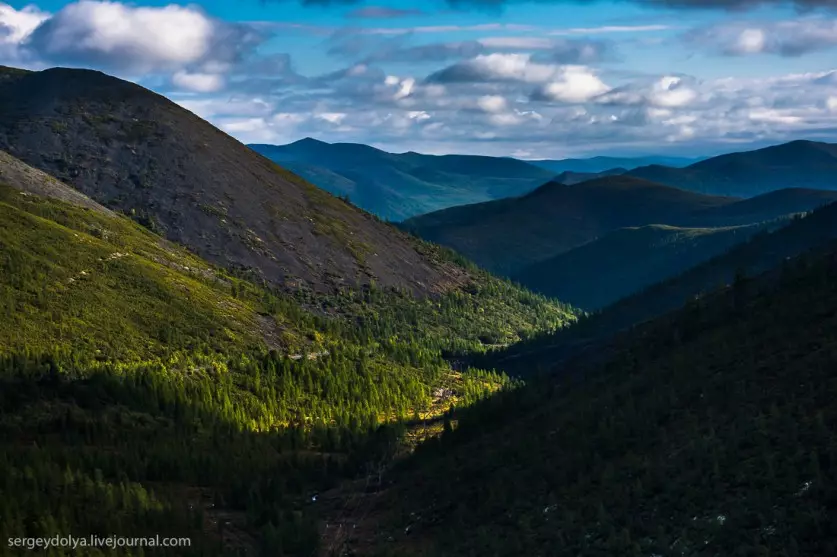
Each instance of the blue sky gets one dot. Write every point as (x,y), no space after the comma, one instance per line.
(545,79)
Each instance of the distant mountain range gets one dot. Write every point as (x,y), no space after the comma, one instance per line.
(580,243)
(798,164)
(505,236)
(595,165)
(399,186)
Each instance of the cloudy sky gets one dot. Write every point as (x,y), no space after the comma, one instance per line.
(542,79)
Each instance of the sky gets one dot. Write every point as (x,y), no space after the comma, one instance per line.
(543,79)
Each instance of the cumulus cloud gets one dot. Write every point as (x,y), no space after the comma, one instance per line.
(572,84)
(784,38)
(142,39)
(199,82)
(496,67)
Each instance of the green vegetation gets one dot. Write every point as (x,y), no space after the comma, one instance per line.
(145,392)
(709,431)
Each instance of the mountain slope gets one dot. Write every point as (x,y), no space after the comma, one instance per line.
(146,392)
(761,253)
(707,432)
(798,164)
(136,152)
(627,260)
(398,186)
(506,235)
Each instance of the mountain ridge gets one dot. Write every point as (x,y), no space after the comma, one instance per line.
(136,152)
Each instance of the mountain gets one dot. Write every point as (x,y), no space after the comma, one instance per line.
(398,186)
(507,235)
(596,165)
(628,260)
(704,432)
(147,392)
(569,178)
(761,253)
(798,164)
(138,153)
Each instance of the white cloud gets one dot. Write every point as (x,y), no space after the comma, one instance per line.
(199,82)
(17,25)
(133,38)
(335,118)
(670,92)
(492,103)
(574,84)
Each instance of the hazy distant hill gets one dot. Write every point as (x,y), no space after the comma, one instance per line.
(596,165)
(798,164)
(398,186)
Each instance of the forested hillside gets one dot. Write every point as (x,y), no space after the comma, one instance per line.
(182,399)
(764,251)
(628,260)
(709,431)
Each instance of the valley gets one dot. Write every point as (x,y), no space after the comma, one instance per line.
(327,349)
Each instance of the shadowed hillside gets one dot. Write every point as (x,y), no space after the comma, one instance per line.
(628,260)
(761,253)
(705,432)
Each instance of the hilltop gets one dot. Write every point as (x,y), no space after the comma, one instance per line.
(398,186)
(138,153)
(797,164)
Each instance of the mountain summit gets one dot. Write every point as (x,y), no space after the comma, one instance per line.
(137,152)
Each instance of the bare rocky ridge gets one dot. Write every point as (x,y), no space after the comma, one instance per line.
(23,177)
(137,152)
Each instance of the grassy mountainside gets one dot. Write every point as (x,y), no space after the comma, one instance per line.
(145,391)
(630,259)
(798,164)
(136,152)
(760,253)
(709,431)
(399,186)
(506,235)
